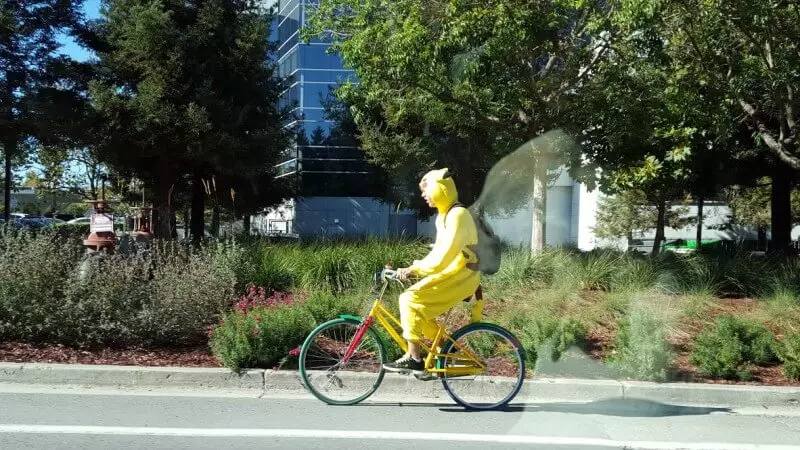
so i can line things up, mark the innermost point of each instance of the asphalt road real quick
(41, 417)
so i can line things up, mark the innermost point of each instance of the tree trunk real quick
(661, 207)
(162, 210)
(198, 220)
(173, 224)
(539, 208)
(781, 208)
(246, 224)
(762, 239)
(215, 221)
(700, 204)
(9, 147)
(9, 144)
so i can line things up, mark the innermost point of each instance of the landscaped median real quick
(713, 318)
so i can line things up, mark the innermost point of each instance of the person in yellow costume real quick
(447, 279)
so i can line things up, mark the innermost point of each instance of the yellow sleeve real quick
(450, 241)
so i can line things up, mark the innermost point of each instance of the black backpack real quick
(489, 247)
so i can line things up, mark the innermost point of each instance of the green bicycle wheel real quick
(328, 376)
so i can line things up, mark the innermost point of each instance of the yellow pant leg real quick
(423, 302)
(415, 325)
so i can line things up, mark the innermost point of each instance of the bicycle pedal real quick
(426, 376)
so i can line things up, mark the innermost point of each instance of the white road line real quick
(378, 435)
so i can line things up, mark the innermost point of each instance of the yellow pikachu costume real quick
(447, 280)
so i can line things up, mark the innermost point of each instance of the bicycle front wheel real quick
(332, 378)
(503, 359)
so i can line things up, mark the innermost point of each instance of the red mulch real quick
(188, 357)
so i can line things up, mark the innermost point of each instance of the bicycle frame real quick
(391, 324)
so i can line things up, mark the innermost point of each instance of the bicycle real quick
(447, 358)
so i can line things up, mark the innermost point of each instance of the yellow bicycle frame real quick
(390, 323)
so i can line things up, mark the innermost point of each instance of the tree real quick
(491, 75)
(187, 88)
(747, 52)
(630, 212)
(751, 205)
(28, 40)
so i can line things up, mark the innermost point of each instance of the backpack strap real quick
(451, 208)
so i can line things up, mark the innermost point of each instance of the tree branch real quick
(447, 97)
(773, 144)
(790, 111)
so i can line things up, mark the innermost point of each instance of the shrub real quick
(641, 348)
(727, 349)
(789, 354)
(569, 332)
(325, 306)
(189, 290)
(536, 333)
(259, 337)
(105, 307)
(34, 268)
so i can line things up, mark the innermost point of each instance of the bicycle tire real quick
(491, 328)
(304, 373)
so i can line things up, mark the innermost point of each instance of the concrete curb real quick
(393, 385)
(129, 376)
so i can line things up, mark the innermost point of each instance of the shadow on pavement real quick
(619, 407)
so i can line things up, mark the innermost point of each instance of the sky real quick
(91, 10)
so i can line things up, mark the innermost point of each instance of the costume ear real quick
(446, 173)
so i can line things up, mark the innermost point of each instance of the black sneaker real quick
(405, 364)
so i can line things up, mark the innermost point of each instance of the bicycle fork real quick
(356, 339)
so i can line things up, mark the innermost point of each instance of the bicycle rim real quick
(503, 357)
(327, 376)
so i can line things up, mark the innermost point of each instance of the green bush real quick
(49, 291)
(259, 337)
(642, 350)
(789, 354)
(105, 307)
(546, 331)
(34, 269)
(325, 306)
(569, 332)
(727, 349)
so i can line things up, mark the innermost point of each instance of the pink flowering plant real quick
(258, 296)
(261, 330)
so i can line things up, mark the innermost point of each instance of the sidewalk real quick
(270, 382)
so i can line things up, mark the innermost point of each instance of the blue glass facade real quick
(325, 161)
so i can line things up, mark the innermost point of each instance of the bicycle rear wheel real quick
(324, 370)
(498, 350)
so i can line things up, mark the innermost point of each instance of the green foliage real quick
(33, 270)
(261, 337)
(333, 266)
(641, 350)
(29, 31)
(172, 106)
(727, 349)
(789, 354)
(49, 292)
(569, 332)
(325, 306)
(630, 211)
(546, 331)
(750, 206)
